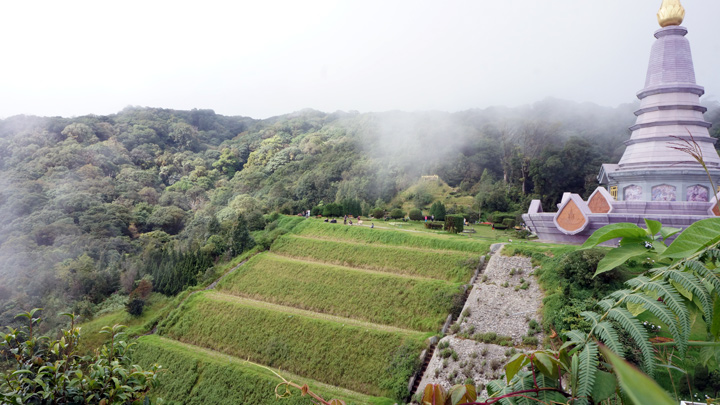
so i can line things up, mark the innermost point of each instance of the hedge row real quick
(451, 266)
(401, 301)
(348, 355)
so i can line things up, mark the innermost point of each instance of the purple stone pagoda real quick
(654, 179)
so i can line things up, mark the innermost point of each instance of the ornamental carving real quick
(664, 192)
(697, 193)
(633, 193)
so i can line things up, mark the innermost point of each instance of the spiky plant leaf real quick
(660, 310)
(606, 304)
(587, 366)
(523, 381)
(636, 330)
(549, 397)
(576, 337)
(605, 332)
(670, 297)
(704, 273)
(693, 284)
(497, 388)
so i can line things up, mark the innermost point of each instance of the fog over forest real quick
(88, 204)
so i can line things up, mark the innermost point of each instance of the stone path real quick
(504, 300)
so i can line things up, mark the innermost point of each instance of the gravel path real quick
(504, 301)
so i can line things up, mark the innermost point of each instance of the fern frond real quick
(606, 304)
(704, 273)
(666, 316)
(637, 331)
(586, 374)
(498, 388)
(713, 253)
(619, 295)
(609, 336)
(577, 337)
(522, 381)
(670, 297)
(690, 282)
(549, 397)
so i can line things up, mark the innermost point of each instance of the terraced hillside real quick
(329, 305)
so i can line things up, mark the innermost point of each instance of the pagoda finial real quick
(671, 13)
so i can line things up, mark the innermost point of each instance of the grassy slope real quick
(420, 304)
(364, 234)
(325, 350)
(198, 376)
(158, 306)
(447, 265)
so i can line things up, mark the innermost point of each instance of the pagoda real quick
(658, 176)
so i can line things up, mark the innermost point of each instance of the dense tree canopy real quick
(87, 203)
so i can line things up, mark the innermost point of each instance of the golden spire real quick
(671, 13)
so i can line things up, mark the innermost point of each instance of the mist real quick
(268, 59)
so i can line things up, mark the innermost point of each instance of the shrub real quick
(454, 223)
(579, 267)
(415, 214)
(397, 213)
(530, 341)
(438, 210)
(135, 306)
(378, 213)
(255, 221)
(43, 371)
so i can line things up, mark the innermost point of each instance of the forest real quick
(91, 205)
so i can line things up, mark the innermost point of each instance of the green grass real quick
(349, 355)
(445, 265)
(364, 234)
(157, 307)
(405, 302)
(198, 376)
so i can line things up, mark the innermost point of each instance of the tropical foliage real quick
(682, 287)
(45, 371)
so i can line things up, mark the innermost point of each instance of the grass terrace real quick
(312, 345)
(364, 234)
(444, 265)
(199, 376)
(402, 301)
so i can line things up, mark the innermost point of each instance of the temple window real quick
(614, 192)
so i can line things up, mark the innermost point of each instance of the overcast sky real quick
(263, 58)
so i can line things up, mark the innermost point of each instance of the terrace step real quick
(305, 313)
(426, 363)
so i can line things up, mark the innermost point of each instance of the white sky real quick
(262, 58)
